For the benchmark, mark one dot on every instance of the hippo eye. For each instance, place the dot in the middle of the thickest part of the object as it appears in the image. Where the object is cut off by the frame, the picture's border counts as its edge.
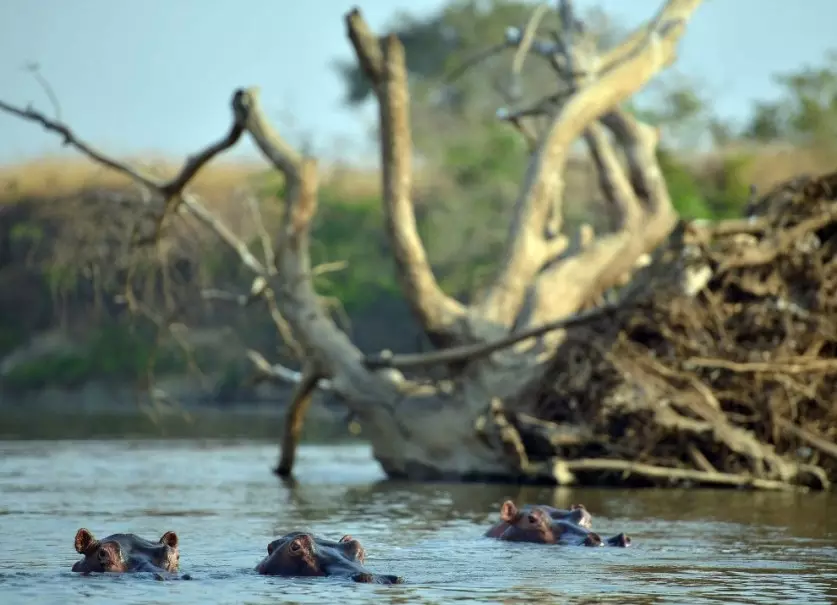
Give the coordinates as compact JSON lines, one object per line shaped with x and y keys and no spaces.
{"x":533,"y":519}
{"x":103,"y":556}
{"x":296,"y":546}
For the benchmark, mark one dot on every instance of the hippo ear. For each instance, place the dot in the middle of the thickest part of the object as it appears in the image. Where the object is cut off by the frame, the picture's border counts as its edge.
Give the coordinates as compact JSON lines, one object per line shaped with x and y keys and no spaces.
{"x":84,"y":540}
{"x":346,"y":538}
{"x":169,"y":539}
{"x":508,"y":511}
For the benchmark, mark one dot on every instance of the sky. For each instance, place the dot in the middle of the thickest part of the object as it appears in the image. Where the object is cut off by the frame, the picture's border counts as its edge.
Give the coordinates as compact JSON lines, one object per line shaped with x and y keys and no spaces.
{"x":156,"y":76}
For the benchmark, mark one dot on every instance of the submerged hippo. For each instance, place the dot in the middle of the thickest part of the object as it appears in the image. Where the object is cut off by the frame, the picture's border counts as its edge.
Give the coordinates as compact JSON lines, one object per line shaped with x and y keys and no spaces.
{"x":511,"y":515}
{"x":538,"y":524}
{"x":119,"y":553}
{"x":302,"y":554}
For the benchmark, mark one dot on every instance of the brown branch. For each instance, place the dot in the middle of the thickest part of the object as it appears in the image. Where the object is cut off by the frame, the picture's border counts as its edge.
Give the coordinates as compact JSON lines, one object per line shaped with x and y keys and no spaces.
{"x":264,"y":236}
{"x":295,"y":417}
{"x":527,"y":37}
{"x":196,"y":209}
{"x":809,"y":437}
{"x":171,"y":189}
{"x":612,"y":179}
{"x":651,"y":471}
{"x":639,"y":142}
{"x":280,"y":374}
{"x":475,"y":351}
{"x":366,"y":46}
{"x":474,"y":60}
{"x":790,"y":366}
{"x":386,"y":68}
{"x":525,"y":253}
{"x":69,"y":138}
{"x":320,"y":339}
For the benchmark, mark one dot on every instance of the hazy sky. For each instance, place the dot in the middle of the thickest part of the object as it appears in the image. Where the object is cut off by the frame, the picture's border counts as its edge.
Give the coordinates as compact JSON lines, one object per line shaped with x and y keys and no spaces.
{"x":156,"y":75}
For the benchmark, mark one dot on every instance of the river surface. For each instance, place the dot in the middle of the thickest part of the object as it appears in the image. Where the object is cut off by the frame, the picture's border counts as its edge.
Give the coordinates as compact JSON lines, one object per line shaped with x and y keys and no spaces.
{"x":222,"y":500}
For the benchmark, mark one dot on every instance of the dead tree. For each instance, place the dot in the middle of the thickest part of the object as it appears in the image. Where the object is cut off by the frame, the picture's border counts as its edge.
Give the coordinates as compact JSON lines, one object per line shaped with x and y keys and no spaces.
{"x":497,"y":347}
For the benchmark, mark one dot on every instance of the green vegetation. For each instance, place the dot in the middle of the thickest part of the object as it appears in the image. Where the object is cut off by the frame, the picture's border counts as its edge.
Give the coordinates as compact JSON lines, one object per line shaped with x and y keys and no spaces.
{"x":476,"y":163}
{"x":111,"y":353}
{"x":352,"y":231}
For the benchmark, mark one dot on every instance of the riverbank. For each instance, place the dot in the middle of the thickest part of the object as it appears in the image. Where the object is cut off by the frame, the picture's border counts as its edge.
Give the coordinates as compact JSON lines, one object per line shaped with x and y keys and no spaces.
{"x":97,"y":411}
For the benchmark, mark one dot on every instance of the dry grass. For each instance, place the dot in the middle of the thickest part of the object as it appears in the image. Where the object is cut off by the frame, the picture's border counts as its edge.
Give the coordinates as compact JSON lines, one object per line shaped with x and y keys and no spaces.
{"x":52,"y":177}
{"x":57,"y":177}
{"x":768,"y":165}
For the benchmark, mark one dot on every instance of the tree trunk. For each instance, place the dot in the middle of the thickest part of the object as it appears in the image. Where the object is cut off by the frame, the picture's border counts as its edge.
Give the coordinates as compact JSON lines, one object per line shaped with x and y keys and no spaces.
{"x":500,"y":349}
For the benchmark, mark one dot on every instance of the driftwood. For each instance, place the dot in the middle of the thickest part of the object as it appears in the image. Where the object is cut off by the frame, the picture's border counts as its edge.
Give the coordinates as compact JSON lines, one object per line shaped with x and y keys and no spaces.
{"x":540,"y":385}
{"x":730,"y":381}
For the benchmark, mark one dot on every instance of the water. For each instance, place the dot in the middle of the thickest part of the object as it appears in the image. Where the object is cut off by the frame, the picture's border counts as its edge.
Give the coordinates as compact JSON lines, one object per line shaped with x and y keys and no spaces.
{"x":689,"y":546}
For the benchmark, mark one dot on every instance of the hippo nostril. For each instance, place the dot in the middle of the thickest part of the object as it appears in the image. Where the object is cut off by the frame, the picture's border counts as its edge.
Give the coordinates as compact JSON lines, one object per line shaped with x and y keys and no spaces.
{"x":364,"y":578}
{"x":390,"y":579}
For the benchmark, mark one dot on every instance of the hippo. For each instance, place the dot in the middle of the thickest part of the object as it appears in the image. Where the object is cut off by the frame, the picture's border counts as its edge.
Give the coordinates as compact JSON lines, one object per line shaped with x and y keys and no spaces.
{"x":303,"y":554}
{"x":510,"y":514}
{"x":538,"y":525}
{"x":120,"y":553}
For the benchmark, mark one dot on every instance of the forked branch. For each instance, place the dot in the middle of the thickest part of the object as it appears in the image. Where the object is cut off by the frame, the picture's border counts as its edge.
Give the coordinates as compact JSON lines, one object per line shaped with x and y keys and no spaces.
{"x":385,"y":67}
{"x":528,"y":242}
{"x":172,"y":190}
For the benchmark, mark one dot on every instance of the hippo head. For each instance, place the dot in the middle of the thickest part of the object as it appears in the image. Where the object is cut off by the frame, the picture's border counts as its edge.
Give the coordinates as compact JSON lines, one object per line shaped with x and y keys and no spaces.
{"x":302,"y":554}
{"x":534,"y":525}
{"x":125,"y":552}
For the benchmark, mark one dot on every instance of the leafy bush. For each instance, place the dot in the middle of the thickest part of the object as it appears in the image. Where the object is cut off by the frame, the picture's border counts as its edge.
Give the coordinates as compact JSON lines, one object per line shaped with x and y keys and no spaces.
{"x":114,"y":352}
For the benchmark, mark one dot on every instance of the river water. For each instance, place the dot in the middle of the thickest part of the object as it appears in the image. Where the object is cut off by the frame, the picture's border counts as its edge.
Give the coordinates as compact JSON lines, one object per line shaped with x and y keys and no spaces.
{"x":222,"y":500}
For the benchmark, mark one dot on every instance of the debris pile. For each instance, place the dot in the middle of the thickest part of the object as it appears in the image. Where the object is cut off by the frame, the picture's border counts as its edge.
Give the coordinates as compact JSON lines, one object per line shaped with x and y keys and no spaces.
{"x":729,"y":381}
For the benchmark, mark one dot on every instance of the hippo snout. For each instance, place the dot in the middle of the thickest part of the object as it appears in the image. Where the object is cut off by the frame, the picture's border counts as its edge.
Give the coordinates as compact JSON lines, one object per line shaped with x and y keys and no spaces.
{"x":622,"y":540}
{"x":368,"y":578}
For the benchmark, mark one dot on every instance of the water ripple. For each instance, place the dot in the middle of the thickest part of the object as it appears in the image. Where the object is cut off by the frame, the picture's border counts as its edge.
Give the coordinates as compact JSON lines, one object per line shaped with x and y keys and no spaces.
{"x":689,"y":547}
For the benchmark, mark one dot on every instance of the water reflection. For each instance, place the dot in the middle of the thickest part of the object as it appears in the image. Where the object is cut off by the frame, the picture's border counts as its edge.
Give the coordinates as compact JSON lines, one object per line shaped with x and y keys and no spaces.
{"x":699,"y":546}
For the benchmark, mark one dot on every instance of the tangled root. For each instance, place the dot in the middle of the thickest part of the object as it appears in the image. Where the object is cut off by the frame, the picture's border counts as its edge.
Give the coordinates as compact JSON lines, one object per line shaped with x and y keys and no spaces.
{"x":729,"y":381}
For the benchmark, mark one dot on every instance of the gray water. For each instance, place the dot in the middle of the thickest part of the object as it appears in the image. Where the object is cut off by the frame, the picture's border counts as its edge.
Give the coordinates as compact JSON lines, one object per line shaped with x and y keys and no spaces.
{"x":689,"y":546}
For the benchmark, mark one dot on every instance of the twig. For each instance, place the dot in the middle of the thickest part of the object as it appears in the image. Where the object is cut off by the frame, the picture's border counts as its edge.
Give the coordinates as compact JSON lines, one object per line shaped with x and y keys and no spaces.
{"x":661,"y":472}
{"x":194,"y":206}
{"x":524,"y":45}
{"x":475,"y":60}
{"x":811,"y":438}
{"x":264,"y":237}
{"x":281,"y":373}
{"x":35,"y":70}
{"x":331,"y":267}
{"x":469,"y":352}
{"x":171,"y":189}
{"x":244,"y":300}
{"x":788,"y":366}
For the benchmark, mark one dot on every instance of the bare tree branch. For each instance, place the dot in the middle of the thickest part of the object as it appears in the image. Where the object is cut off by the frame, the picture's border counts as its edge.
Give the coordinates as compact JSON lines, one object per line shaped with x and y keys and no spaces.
{"x":264,"y":236}
{"x":167,"y":190}
{"x":386,"y":68}
{"x":612,"y":179}
{"x":319,"y":337}
{"x":200,"y":212}
{"x":476,"y":351}
{"x":525,"y":43}
{"x":295,"y":417}
{"x":525,"y":254}
{"x":35,"y":70}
